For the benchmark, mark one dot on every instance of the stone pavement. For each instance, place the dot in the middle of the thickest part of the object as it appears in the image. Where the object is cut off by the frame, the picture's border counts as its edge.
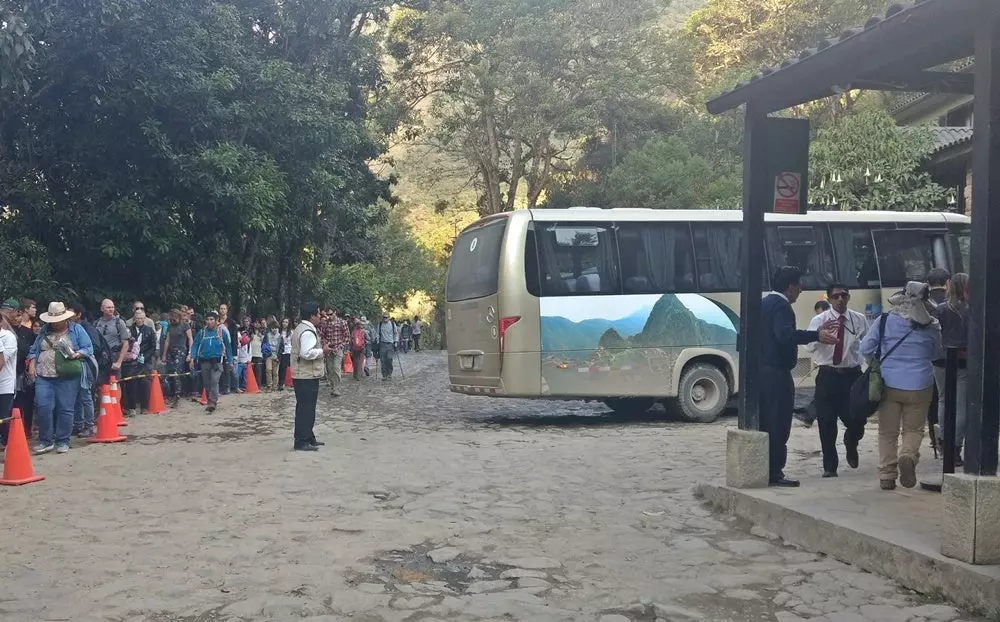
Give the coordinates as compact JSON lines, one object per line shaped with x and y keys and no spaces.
{"x":424,"y":505}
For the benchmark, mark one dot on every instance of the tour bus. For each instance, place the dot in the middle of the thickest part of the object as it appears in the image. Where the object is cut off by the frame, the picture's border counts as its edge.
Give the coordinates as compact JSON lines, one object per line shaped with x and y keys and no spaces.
{"x":635,"y":306}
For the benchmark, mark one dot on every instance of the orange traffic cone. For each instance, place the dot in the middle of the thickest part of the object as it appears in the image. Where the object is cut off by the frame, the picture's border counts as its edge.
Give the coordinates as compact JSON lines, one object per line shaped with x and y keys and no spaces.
{"x":156,"y":403}
{"x":288,"y":376}
{"x":252,"y":387}
{"x":348,"y":366}
{"x":17,"y":461}
{"x":116,"y":403}
{"x":107,"y":428}
{"x":204,"y":397}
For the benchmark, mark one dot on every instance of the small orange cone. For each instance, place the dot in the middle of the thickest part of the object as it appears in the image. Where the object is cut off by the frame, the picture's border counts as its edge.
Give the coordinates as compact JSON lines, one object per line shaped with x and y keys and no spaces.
{"x":107,"y":428}
{"x":288,"y":376}
{"x":204,"y":397}
{"x":348,"y":364}
{"x":156,"y":403}
{"x":116,"y":403}
{"x":17,"y":461}
{"x":252,"y":387}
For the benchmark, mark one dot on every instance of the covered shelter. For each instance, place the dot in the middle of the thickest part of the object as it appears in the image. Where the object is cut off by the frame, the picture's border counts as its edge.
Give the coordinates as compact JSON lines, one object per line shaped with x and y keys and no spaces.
{"x":909,"y":49}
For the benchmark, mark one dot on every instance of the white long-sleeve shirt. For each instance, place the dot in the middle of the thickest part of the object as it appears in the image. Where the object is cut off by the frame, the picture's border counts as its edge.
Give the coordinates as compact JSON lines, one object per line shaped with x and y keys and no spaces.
{"x":309,"y":348}
{"x":855,"y":327}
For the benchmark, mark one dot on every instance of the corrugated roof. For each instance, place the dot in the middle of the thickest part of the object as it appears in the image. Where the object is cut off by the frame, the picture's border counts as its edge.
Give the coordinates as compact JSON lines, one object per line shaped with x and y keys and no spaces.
{"x":948,"y":137}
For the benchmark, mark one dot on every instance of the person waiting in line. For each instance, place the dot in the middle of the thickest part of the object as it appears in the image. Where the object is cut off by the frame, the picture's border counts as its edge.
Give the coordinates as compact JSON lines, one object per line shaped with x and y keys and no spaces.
{"x":285,"y":362}
{"x":8,"y":371}
{"x":779,"y":355}
{"x":937,"y":280}
{"x":29,"y":310}
{"x":912,"y":340}
{"x":176,"y":345}
{"x":56,"y":361}
{"x":243,"y":359}
{"x":839,"y":366}
{"x":953,"y":314}
{"x":138,"y":363}
{"x":257,"y":353}
{"x":24,"y":398}
{"x":211,"y":352}
{"x":272,"y":353}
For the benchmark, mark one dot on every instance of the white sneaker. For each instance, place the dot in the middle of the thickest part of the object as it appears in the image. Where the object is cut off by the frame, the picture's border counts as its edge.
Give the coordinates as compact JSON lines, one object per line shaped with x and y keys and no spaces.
{"x":42,"y":449}
{"x":62,"y":449}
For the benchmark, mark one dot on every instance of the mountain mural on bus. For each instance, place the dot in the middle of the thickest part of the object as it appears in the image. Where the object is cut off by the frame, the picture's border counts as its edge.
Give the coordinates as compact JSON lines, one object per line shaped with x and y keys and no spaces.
{"x":626,"y":345}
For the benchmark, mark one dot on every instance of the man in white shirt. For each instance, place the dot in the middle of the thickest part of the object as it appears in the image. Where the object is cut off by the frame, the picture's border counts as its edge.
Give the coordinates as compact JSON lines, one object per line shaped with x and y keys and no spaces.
{"x":307,"y":369}
{"x":839,"y":366}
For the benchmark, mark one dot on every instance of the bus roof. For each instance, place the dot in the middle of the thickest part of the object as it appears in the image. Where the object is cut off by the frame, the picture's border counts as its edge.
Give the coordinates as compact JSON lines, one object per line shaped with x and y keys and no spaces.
{"x":630,"y":214}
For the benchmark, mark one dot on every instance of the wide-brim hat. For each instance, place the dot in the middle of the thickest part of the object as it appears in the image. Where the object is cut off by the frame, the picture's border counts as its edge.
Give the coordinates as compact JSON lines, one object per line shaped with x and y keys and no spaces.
{"x":57,"y":313}
{"x":912,"y":303}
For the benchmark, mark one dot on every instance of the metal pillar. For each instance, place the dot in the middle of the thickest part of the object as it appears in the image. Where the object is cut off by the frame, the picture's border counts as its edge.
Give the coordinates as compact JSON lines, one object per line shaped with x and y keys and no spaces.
{"x":984,"y":320}
{"x":757,"y":189}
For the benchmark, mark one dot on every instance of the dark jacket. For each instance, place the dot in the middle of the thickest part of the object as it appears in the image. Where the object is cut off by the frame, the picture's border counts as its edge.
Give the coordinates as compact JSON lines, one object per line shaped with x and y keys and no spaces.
{"x":780,"y":340}
{"x":148,"y":346}
{"x":938,"y":295}
{"x":954,"y":331}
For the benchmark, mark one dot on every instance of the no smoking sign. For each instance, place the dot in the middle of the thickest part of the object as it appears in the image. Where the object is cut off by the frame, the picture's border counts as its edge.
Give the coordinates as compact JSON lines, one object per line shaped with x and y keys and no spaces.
{"x":787,"y":192}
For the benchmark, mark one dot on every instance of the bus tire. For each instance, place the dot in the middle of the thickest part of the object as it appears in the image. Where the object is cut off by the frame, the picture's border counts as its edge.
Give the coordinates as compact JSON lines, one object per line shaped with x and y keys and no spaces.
{"x":629,"y":405}
{"x":703,"y":393}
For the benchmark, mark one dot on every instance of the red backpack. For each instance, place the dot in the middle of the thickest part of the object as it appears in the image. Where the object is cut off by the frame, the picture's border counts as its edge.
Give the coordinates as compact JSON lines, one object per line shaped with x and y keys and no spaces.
{"x":358,"y":339}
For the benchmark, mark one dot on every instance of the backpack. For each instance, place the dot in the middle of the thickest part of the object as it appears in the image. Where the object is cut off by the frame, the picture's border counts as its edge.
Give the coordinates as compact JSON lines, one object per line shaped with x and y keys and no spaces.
{"x":358,"y":339}
{"x":102,"y":352}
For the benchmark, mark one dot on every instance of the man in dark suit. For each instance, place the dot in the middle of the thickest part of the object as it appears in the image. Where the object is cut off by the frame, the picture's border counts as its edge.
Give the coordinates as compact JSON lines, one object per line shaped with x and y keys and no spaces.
{"x":779,"y":354}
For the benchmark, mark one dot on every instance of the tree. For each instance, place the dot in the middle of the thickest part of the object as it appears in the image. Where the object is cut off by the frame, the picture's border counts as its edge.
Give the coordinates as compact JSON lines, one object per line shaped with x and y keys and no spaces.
{"x":192,"y":151}
{"x":866,"y":162}
{"x":728,"y":39}
{"x":512,"y":84}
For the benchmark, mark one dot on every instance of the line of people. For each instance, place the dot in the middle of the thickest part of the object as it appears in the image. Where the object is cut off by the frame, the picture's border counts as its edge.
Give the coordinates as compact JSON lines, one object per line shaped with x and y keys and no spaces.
{"x":50,"y":365}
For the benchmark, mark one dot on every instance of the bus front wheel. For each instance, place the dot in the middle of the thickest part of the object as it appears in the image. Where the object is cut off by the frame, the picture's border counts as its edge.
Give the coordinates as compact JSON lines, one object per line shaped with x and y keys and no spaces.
{"x":629,"y":405}
{"x":703,"y":393}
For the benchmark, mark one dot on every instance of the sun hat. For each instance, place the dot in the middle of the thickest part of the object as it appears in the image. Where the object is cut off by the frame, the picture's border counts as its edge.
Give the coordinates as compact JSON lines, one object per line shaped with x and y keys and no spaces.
{"x":912,"y":303}
{"x":57,"y":313}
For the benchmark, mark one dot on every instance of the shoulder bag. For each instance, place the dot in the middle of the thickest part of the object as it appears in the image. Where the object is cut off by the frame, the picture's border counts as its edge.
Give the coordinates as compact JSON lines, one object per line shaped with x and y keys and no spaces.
{"x":866,"y":392}
{"x":65,"y":367}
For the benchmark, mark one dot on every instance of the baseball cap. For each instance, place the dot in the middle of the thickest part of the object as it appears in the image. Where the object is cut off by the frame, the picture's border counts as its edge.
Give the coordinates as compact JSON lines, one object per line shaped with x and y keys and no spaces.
{"x":10,"y":303}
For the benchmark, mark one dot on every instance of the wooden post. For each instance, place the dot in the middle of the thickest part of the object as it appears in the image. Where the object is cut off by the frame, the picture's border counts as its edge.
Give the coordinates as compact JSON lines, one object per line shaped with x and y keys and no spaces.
{"x":757,"y":192}
{"x":983,"y":405}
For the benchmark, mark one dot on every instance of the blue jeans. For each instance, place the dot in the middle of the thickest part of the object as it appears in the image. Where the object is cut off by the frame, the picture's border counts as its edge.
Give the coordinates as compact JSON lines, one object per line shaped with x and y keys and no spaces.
{"x":55,"y":402}
{"x":241,"y":375}
{"x":83,"y":415}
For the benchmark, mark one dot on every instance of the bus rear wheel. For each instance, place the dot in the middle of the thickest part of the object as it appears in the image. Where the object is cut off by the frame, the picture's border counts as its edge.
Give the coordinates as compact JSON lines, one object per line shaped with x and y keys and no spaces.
{"x":703,"y":393}
{"x":629,"y":405}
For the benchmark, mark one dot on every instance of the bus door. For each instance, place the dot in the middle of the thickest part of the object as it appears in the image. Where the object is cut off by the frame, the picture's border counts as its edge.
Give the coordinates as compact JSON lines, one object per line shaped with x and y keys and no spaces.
{"x":472,"y":306}
{"x":908,"y":254}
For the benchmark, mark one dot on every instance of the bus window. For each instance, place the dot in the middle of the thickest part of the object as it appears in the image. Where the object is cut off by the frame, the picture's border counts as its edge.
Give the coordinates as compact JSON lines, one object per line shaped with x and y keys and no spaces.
{"x":474,"y":270}
{"x":908,"y":255}
{"x":577,"y":259}
{"x":961,"y":238}
{"x":717,"y":249}
{"x":857,"y":265}
{"x":806,"y":247}
{"x":656,"y":258}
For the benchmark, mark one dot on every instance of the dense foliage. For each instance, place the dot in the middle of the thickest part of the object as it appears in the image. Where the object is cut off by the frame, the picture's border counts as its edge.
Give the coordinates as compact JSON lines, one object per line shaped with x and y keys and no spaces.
{"x":191,"y":151}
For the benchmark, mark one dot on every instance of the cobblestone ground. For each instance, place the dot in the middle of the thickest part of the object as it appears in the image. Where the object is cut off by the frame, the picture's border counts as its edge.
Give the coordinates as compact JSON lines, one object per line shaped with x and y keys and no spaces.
{"x":424,"y":505}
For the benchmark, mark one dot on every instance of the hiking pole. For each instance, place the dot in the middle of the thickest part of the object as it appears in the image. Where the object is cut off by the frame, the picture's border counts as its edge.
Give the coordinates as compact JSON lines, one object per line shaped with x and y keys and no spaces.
{"x":400,"y":362}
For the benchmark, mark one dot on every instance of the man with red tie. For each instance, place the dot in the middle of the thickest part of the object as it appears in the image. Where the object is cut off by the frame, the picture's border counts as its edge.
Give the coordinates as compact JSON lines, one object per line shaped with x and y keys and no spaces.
{"x":839,"y":366}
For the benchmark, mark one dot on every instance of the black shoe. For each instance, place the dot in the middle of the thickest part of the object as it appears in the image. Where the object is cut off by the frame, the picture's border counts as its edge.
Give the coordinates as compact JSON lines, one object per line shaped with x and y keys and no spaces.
{"x":316,"y":443}
{"x":852,"y":456}
{"x":784,"y":482}
{"x":210,"y":408}
{"x":827,"y":474}
{"x":306,"y":448}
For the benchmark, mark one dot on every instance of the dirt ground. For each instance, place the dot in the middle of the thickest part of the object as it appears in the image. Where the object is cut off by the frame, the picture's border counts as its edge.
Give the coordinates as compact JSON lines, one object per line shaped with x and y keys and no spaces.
{"x":424,"y":505}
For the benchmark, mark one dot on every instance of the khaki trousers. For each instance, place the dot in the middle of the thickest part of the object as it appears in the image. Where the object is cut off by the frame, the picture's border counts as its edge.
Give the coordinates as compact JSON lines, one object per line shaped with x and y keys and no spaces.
{"x":334,"y":369}
{"x":906,"y":411}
